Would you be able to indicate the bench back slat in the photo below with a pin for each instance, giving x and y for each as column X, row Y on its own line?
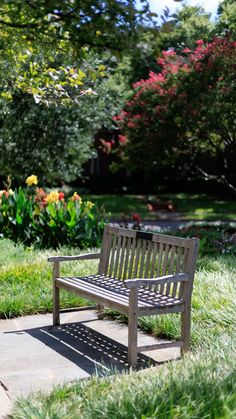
column 133, row 254
column 131, row 258
column 155, row 253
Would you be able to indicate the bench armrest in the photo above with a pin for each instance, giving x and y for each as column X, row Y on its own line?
column 167, row 279
column 75, row 257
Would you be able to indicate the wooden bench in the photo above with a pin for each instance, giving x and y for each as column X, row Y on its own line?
column 139, row 274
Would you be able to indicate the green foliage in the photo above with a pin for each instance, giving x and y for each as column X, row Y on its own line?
column 47, row 220
column 227, row 17
column 178, row 30
column 54, row 140
column 215, row 238
column 185, row 27
column 45, row 44
column 57, row 140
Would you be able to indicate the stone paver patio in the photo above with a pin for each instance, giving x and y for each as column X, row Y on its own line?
column 35, row 356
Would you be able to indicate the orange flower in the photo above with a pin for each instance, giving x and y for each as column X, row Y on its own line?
column 40, row 197
column 76, row 197
column 52, row 197
column 4, row 192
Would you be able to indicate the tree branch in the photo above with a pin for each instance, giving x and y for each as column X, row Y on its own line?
column 31, row 5
column 219, row 179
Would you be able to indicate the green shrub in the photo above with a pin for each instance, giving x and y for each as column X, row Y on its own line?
column 216, row 238
column 32, row 216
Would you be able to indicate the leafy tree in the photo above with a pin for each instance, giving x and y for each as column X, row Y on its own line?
column 54, row 141
column 178, row 30
column 185, row 114
column 58, row 52
column 46, row 141
column 227, row 18
column 45, row 44
column 183, row 28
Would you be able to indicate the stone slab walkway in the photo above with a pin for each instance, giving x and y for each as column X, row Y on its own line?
column 36, row 356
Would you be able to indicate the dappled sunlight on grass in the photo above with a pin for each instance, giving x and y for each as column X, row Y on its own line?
column 188, row 206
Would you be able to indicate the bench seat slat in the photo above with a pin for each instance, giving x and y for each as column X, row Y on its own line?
column 104, row 297
column 78, row 283
column 84, row 292
column 110, row 289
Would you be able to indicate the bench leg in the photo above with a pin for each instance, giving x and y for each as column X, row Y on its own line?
column 133, row 328
column 185, row 329
column 56, row 313
column 56, row 296
column 132, row 341
column 100, row 310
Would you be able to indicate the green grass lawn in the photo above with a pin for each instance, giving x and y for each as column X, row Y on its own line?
column 202, row 385
column 25, row 280
column 188, row 206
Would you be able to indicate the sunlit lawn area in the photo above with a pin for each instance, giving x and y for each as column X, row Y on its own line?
column 201, row 385
column 25, row 280
column 188, row 206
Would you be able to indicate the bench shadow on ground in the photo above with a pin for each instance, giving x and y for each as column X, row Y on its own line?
column 90, row 350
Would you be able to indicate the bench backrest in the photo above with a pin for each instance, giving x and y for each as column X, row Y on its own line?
column 136, row 254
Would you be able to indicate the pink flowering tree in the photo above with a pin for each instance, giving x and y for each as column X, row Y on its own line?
column 185, row 114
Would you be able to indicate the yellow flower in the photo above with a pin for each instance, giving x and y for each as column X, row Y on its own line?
column 32, row 180
column 52, row 197
column 36, row 211
column 89, row 205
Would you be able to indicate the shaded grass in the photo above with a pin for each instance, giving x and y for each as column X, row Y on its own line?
column 189, row 206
